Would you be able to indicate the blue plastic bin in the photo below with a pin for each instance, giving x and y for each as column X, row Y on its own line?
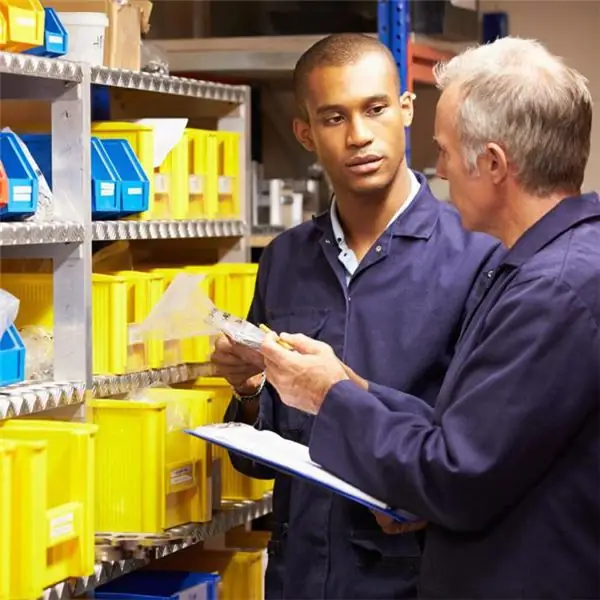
column 160, row 585
column 105, row 183
column 23, row 185
column 56, row 37
column 135, row 187
column 12, row 357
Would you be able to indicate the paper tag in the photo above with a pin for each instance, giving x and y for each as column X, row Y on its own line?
column 62, row 526
column 55, row 39
column 25, row 21
column 107, row 188
column 196, row 184
column 225, row 184
column 182, row 475
column 23, row 197
column 161, row 183
column 135, row 191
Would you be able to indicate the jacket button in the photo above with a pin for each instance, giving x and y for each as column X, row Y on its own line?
column 378, row 249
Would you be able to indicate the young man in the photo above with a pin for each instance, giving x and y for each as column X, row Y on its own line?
column 506, row 466
column 384, row 277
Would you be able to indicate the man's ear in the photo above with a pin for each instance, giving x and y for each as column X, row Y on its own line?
column 407, row 106
column 496, row 162
column 303, row 134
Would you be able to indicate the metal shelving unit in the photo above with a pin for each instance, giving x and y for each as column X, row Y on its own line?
column 64, row 233
column 120, row 554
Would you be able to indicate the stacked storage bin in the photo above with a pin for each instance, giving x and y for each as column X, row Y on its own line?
column 22, row 22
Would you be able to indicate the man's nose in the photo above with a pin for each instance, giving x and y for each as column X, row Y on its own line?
column 359, row 134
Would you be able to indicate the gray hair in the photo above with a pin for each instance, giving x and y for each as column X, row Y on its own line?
column 515, row 93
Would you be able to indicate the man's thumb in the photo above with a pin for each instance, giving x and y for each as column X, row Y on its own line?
column 300, row 342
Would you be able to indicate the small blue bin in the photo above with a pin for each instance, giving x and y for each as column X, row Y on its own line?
column 12, row 357
column 160, row 585
column 23, row 184
column 135, row 187
column 105, row 184
column 56, row 37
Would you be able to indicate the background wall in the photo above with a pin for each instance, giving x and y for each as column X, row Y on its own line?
column 571, row 29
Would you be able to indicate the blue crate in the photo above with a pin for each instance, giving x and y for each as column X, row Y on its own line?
column 23, row 184
column 135, row 187
column 12, row 357
column 56, row 37
column 105, row 183
column 160, row 585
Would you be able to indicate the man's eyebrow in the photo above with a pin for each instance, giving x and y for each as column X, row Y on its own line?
column 339, row 108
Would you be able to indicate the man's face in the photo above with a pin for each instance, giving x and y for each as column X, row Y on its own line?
column 356, row 123
column 473, row 194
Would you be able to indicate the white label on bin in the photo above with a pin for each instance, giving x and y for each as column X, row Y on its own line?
column 25, row 21
column 62, row 526
column 225, row 184
column 22, row 189
column 196, row 184
column 135, row 191
column 107, row 188
column 24, row 197
column 198, row 592
column 55, row 39
column 161, row 183
column 182, row 475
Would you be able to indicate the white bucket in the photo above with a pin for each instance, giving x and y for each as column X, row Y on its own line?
column 86, row 36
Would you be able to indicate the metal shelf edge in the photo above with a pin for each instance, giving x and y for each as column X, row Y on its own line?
column 167, row 84
column 38, row 232
column 164, row 230
column 34, row 66
column 30, row 398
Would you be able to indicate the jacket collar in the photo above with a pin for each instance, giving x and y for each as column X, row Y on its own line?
column 418, row 221
column 564, row 216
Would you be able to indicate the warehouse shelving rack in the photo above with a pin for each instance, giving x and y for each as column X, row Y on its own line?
column 65, row 232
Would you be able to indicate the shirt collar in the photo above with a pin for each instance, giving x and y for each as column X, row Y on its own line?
column 338, row 232
column 564, row 216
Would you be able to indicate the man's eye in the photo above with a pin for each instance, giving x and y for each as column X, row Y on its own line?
column 335, row 120
column 377, row 110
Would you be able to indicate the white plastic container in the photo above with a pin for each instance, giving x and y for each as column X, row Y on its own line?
column 86, row 36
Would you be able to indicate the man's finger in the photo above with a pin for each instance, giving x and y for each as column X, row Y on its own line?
column 302, row 343
column 272, row 351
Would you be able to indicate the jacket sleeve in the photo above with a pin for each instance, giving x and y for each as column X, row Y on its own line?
column 266, row 418
column 504, row 415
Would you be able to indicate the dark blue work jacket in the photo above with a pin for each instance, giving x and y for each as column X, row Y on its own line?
column 396, row 322
column 506, row 467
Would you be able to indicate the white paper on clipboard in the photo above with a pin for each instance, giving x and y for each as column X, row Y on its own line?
column 291, row 458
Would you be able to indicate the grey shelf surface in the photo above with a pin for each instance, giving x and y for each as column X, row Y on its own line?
column 121, row 554
column 34, row 397
column 38, row 232
column 113, row 385
column 33, row 66
column 166, row 84
column 164, row 230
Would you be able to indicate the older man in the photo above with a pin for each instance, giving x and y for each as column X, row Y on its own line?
column 506, row 466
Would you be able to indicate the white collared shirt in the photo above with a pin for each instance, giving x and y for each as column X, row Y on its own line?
column 346, row 255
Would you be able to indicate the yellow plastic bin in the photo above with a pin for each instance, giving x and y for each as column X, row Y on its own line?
column 63, row 534
column 234, row 485
column 143, row 292
column 164, row 480
column 203, row 174
column 229, row 174
column 141, row 138
column 24, row 24
column 109, row 313
column 234, row 287
column 3, row 31
column 171, row 183
column 7, row 451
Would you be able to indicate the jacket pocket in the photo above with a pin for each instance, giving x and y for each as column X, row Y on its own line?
column 309, row 321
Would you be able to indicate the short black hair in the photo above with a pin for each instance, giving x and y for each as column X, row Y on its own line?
column 336, row 50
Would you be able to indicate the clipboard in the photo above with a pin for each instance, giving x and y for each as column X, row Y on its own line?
column 290, row 458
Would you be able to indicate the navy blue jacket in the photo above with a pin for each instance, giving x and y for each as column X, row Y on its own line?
column 506, row 467
column 396, row 323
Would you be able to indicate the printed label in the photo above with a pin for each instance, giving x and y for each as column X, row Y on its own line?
column 225, row 184
column 135, row 191
column 107, row 188
column 196, row 184
column 55, row 39
column 62, row 526
column 182, row 475
column 161, row 183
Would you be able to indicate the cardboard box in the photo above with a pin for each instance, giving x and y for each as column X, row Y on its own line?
column 127, row 21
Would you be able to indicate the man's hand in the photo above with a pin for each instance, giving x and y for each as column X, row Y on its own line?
column 239, row 365
column 393, row 527
column 302, row 376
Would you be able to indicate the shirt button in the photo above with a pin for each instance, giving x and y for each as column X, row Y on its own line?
column 490, row 274
column 378, row 249
column 327, row 241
